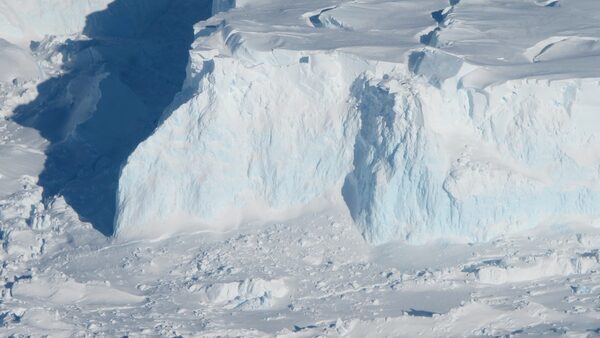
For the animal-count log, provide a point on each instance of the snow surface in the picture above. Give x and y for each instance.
(329, 119)
(24, 21)
(427, 119)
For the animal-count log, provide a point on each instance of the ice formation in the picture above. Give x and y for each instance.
(451, 139)
(424, 119)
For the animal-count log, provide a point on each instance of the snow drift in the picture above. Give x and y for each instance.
(428, 146)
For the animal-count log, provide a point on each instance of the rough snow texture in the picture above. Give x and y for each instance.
(424, 123)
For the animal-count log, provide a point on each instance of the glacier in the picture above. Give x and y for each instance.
(245, 161)
(424, 120)
(431, 130)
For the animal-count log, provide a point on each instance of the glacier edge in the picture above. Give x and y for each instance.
(413, 152)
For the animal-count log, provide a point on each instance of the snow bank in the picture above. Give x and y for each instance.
(277, 144)
(64, 290)
(30, 20)
(424, 146)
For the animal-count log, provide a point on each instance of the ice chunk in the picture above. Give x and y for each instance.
(248, 294)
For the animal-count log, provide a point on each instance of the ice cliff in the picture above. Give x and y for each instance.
(424, 119)
(423, 125)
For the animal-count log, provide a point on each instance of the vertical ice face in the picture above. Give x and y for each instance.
(113, 76)
(391, 186)
(243, 143)
(411, 158)
(420, 143)
(439, 163)
(222, 5)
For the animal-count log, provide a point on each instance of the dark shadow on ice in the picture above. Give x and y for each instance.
(420, 313)
(112, 91)
(375, 105)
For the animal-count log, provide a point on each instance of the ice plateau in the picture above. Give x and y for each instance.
(426, 119)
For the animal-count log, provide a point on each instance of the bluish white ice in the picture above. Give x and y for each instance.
(423, 122)
(426, 120)
(410, 120)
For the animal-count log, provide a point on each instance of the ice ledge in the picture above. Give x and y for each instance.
(411, 155)
(423, 145)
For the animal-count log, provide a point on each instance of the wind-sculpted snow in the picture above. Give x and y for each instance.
(16, 64)
(420, 142)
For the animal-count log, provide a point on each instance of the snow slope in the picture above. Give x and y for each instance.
(427, 119)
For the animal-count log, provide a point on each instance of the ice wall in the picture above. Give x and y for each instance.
(445, 162)
(417, 142)
(111, 81)
(243, 144)
(411, 159)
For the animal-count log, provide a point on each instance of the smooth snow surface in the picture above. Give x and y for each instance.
(427, 119)
(24, 21)
(16, 64)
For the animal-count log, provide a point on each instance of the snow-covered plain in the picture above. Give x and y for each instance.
(308, 168)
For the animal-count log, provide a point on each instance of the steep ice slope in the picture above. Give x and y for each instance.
(304, 106)
(273, 156)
